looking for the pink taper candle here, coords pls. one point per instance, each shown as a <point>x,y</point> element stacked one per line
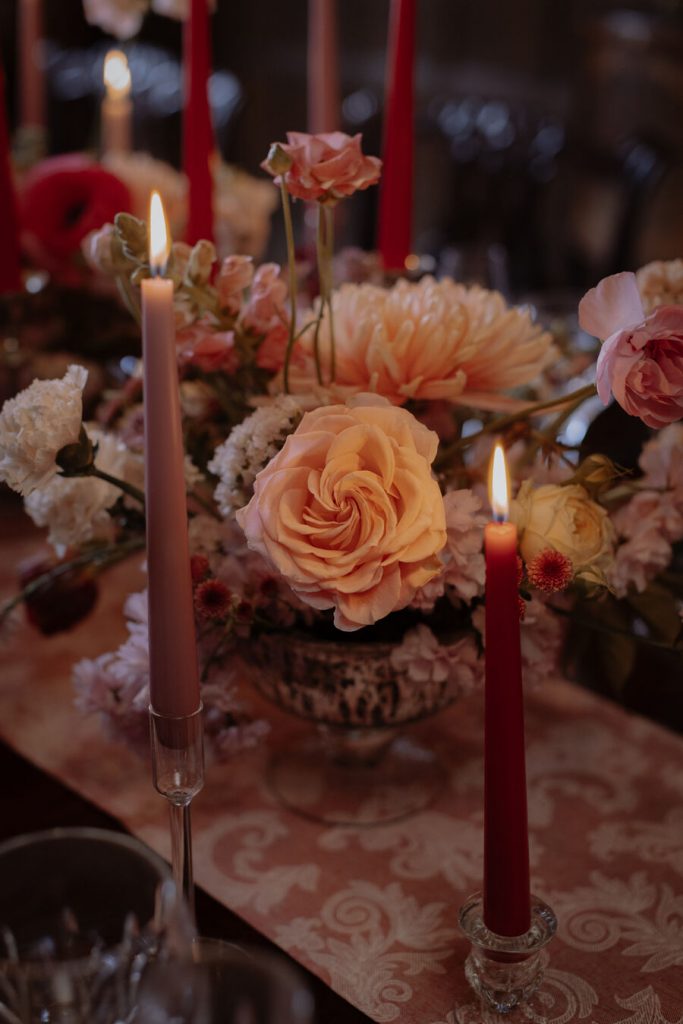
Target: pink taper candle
<point>116,112</point>
<point>395,232</point>
<point>10,263</point>
<point>506,840</point>
<point>174,677</point>
<point>324,113</point>
<point>198,140</point>
<point>32,77</point>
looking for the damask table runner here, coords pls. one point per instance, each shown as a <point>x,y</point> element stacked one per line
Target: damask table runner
<point>373,911</point>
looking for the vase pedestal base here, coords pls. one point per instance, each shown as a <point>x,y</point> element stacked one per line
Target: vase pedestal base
<point>356,777</point>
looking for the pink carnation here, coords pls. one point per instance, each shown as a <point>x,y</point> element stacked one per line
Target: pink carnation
<point>641,360</point>
<point>324,167</point>
<point>208,350</point>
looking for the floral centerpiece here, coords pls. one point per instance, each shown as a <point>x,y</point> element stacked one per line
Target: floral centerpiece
<point>337,457</point>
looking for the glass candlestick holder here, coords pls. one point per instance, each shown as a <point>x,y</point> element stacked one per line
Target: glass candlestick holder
<point>178,774</point>
<point>505,971</point>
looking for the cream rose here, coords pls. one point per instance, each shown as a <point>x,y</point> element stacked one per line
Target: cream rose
<point>566,520</point>
<point>349,512</point>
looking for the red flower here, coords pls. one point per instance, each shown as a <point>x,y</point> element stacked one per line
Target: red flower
<point>212,599</point>
<point>550,571</point>
<point>63,601</point>
<point>61,200</point>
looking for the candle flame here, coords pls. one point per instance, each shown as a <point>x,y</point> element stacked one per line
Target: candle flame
<point>499,490</point>
<point>159,246</point>
<point>116,74</point>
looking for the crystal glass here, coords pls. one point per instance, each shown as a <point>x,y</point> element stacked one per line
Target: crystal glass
<point>223,984</point>
<point>505,971</point>
<point>79,918</point>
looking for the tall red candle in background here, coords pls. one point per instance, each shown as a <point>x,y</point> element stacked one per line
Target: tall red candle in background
<point>174,677</point>
<point>395,232</point>
<point>324,113</point>
<point>506,839</point>
<point>32,77</point>
<point>10,263</point>
<point>198,139</point>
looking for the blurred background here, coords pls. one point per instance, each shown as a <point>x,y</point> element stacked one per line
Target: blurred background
<point>549,135</point>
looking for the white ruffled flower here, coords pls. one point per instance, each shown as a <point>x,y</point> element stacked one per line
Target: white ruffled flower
<point>250,447</point>
<point>35,425</point>
<point>75,508</point>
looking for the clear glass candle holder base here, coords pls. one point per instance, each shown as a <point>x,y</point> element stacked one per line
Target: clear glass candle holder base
<point>505,971</point>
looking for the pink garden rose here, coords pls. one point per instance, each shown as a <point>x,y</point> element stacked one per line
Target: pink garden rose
<point>323,168</point>
<point>266,306</point>
<point>641,360</point>
<point>349,512</point>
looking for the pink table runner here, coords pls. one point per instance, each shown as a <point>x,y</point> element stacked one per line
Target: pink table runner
<point>373,911</point>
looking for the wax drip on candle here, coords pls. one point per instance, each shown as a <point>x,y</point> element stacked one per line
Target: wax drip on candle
<point>159,248</point>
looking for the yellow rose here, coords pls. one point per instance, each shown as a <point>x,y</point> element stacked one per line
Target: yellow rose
<point>349,512</point>
<point>566,520</point>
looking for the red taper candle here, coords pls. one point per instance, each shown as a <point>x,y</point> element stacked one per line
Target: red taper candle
<point>324,113</point>
<point>174,674</point>
<point>198,138</point>
<point>31,74</point>
<point>10,262</point>
<point>506,838</point>
<point>395,231</point>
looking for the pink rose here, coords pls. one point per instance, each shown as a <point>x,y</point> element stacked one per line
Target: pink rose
<point>324,167</point>
<point>641,360</point>
<point>271,351</point>
<point>234,277</point>
<point>208,350</point>
<point>349,512</point>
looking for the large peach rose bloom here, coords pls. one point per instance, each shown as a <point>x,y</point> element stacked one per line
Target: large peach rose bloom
<point>349,512</point>
<point>426,340</point>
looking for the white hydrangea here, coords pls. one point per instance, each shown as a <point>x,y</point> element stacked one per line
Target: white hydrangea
<point>465,566</point>
<point>75,508</point>
<point>425,660</point>
<point>35,425</point>
<point>250,447</point>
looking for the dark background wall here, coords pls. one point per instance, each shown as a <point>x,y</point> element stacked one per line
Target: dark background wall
<point>549,135</point>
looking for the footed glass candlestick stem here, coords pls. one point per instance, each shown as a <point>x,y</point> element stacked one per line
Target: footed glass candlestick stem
<point>505,971</point>
<point>178,773</point>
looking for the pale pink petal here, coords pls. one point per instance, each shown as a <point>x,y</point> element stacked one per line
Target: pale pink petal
<point>613,305</point>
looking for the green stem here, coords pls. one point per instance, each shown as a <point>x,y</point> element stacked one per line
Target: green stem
<point>503,422</point>
<point>291,257</point>
<point>129,489</point>
<point>320,252</point>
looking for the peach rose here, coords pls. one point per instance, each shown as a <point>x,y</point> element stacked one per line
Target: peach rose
<point>349,512</point>
<point>324,167</point>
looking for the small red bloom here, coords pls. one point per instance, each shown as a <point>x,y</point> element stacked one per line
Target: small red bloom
<point>521,607</point>
<point>520,571</point>
<point>199,567</point>
<point>212,599</point>
<point>550,571</point>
